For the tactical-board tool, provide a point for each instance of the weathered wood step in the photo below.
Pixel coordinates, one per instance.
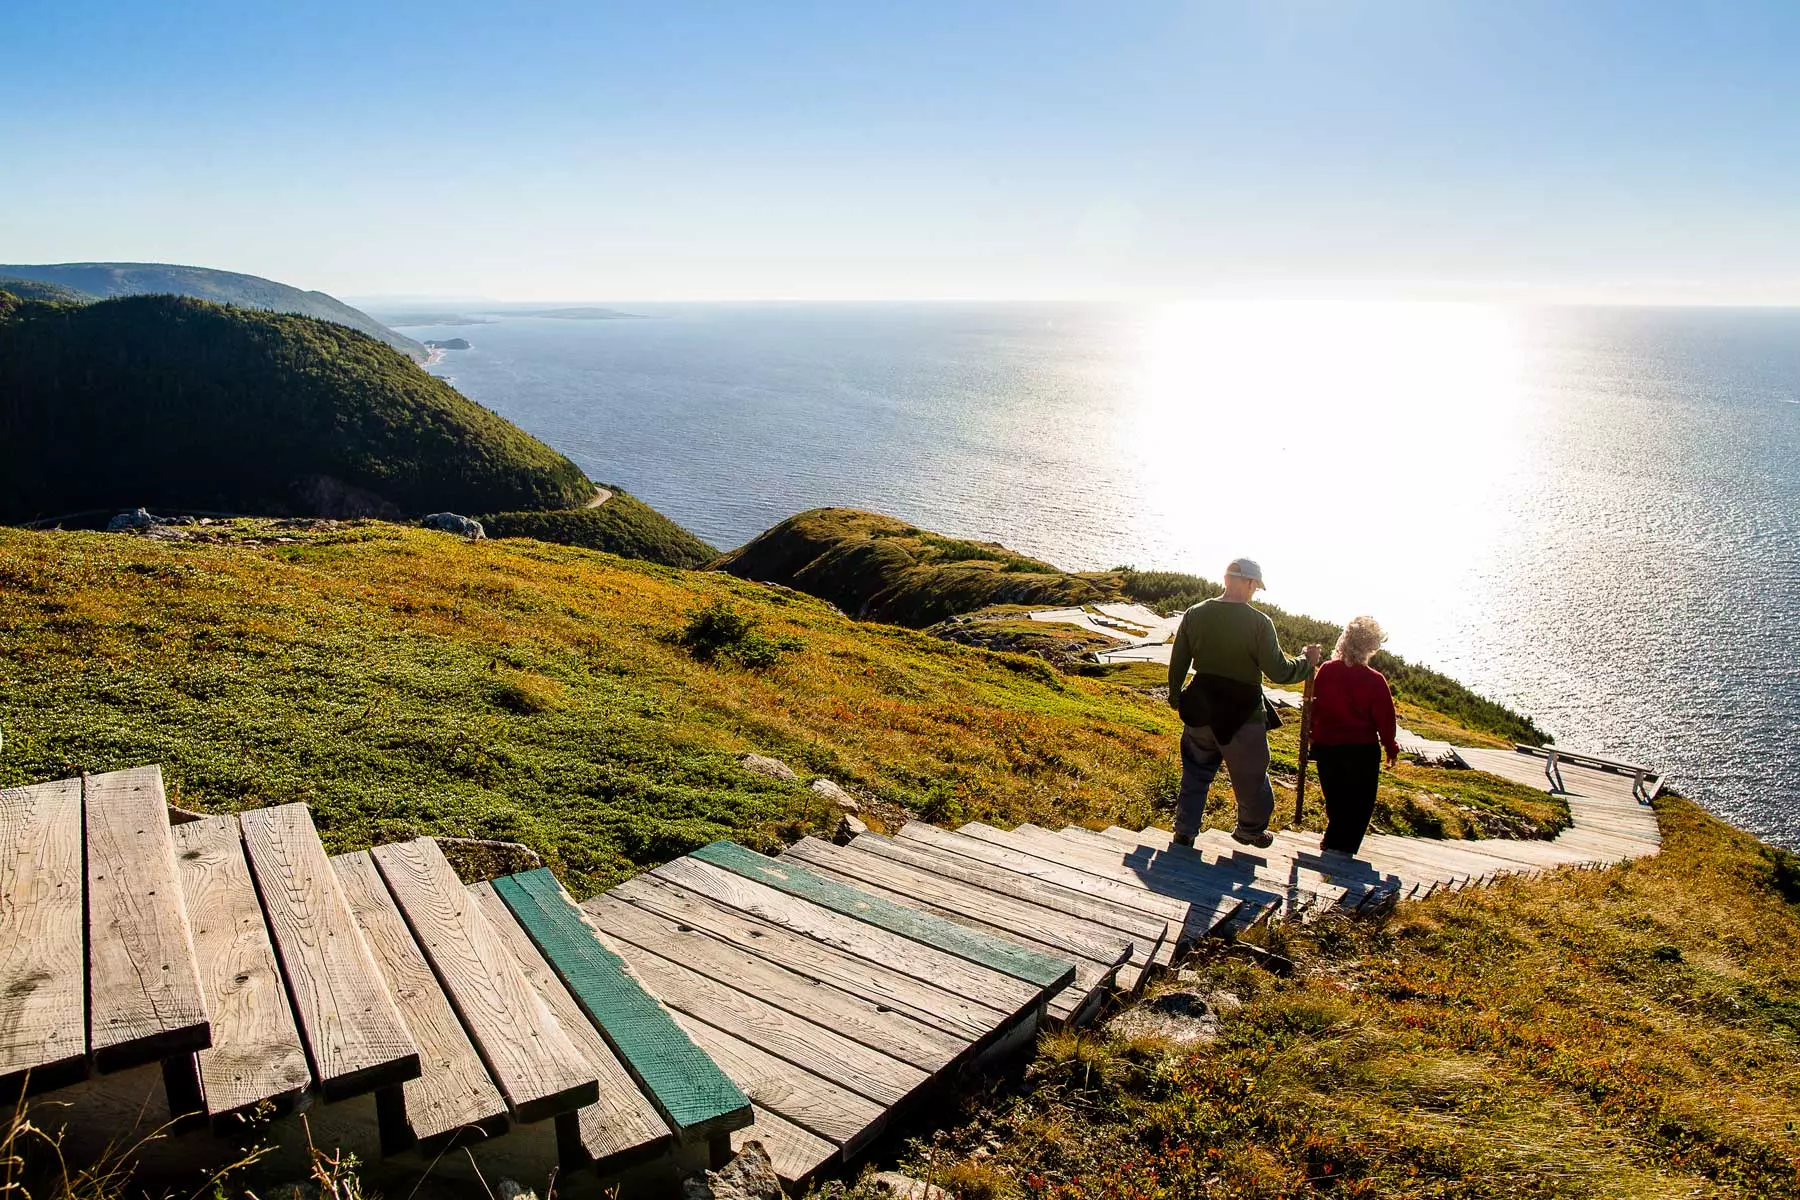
(1043, 970)
(531, 1059)
(43, 971)
(993, 989)
(1195, 921)
(143, 982)
(1177, 866)
(622, 1127)
(1207, 905)
(453, 1099)
(885, 985)
(1092, 976)
(697, 1100)
(1157, 935)
(256, 1055)
(355, 1040)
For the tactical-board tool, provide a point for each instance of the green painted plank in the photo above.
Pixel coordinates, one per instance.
(1006, 957)
(686, 1085)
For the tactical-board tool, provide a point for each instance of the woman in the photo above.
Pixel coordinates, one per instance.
(1352, 722)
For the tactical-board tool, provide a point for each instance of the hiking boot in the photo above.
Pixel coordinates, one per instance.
(1183, 839)
(1262, 839)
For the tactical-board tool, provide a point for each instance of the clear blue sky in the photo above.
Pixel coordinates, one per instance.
(1644, 150)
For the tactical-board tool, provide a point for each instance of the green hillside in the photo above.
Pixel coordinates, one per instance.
(882, 569)
(624, 525)
(103, 281)
(48, 293)
(172, 402)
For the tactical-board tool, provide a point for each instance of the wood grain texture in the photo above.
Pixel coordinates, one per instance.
(1155, 931)
(807, 1044)
(1090, 976)
(816, 1104)
(696, 1098)
(43, 966)
(805, 997)
(1194, 923)
(256, 1054)
(622, 1125)
(948, 1012)
(355, 1039)
(453, 1099)
(995, 989)
(1044, 970)
(143, 983)
(1052, 932)
(536, 1066)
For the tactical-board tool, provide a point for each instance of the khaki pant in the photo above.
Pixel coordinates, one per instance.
(1246, 759)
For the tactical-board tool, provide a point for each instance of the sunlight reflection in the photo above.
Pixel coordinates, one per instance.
(1339, 442)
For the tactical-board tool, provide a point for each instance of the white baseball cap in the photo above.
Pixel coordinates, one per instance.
(1245, 568)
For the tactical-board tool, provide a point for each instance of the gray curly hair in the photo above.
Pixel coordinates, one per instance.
(1361, 638)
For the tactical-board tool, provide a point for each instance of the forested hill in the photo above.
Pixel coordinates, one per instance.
(167, 401)
(103, 281)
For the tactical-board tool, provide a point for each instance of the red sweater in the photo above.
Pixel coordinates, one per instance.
(1352, 706)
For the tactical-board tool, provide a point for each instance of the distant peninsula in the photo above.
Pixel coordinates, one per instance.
(407, 319)
(448, 344)
(577, 314)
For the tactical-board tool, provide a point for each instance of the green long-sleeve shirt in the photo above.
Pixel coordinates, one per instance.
(1217, 637)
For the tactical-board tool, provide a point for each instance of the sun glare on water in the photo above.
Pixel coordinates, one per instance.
(1349, 446)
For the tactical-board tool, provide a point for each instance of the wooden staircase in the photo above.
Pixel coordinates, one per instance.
(225, 969)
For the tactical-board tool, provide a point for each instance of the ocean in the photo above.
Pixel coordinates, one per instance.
(1588, 514)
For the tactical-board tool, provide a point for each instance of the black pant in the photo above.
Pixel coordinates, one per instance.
(1348, 776)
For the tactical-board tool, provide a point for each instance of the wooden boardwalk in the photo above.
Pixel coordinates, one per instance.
(809, 1000)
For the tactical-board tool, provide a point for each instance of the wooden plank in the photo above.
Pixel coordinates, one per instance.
(622, 1125)
(950, 1013)
(1044, 970)
(453, 1099)
(1053, 932)
(143, 983)
(694, 1096)
(256, 1055)
(807, 1044)
(355, 1039)
(1277, 870)
(873, 1025)
(1090, 976)
(537, 1068)
(794, 1153)
(994, 989)
(1159, 933)
(1180, 869)
(818, 1105)
(43, 963)
(1195, 923)
(1201, 911)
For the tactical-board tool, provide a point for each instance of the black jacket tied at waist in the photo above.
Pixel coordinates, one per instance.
(1225, 704)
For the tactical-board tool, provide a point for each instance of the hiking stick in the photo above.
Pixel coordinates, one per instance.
(1306, 701)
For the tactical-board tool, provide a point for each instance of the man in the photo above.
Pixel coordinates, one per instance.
(1231, 646)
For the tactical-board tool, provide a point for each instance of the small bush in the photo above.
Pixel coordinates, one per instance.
(1784, 873)
(720, 631)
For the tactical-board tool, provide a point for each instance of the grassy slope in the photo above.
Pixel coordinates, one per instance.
(1633, 1032)
(886, 570)
(883, 569)
(624, 525)
(159, 400)
(407, 682)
